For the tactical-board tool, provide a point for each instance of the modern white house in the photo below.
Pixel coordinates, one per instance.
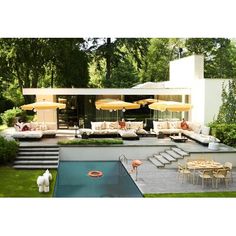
(186, 84)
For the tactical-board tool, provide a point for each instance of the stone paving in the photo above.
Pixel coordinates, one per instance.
(157, 180)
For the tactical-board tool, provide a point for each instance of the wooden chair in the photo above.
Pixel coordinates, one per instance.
(183, 172)
(219, 175)
(229, 167)
(206, 175)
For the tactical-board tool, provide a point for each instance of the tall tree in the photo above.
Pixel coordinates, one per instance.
(160, 53)
(219, 56)
(118, 50)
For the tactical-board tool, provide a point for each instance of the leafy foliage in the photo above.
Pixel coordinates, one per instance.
(227, 112)
(225, 132)
(90, 142)
(219, 56)
(9, 116)
(8, 150)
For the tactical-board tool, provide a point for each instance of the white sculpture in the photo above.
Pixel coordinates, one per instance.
(44, 181)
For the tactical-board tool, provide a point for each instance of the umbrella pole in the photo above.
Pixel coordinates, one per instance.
(117, 115)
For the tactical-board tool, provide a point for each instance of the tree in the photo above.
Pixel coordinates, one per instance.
(219, 56)
(109, 54)
(68, 63)
(227, 112)
(156, 62)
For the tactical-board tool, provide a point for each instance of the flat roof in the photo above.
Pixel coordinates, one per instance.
(106, 91)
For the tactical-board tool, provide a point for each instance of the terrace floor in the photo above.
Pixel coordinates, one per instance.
(156, 180)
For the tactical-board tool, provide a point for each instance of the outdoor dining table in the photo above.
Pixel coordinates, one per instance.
(202, 165)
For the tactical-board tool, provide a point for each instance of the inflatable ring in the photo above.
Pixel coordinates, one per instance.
(95, 173)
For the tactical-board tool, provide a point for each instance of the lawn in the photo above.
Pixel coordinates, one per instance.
(22, 183)
(202, 195)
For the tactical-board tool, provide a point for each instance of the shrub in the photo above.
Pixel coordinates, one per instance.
(8, 150)
(1, 121)
(9, 116)
(5, 104)
(90, 142)
(225, 132)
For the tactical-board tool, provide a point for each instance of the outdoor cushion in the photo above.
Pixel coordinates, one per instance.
(205, 130)
(127, 133)
(28, 134)
(112, 125)
(97, 125)
(174, 124)
(160, 125)
(87, 131)
(141, 131)
(134, 125)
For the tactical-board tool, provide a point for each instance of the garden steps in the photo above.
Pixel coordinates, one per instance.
(156, 162)
(37, 157)
(180, 152)
(167, 157)
(35, 166)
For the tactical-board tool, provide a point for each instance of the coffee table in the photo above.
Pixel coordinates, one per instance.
(178, 139)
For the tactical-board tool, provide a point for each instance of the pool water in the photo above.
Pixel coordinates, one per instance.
(73, 180)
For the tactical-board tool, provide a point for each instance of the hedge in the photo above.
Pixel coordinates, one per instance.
(90, 142)
(8, 150)
(225, 132)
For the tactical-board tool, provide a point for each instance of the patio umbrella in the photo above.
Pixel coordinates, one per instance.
(170, 106)
(43, 105)
(143, 102)
(117, 105)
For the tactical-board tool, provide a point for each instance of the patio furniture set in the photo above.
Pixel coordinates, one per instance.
(207, 171)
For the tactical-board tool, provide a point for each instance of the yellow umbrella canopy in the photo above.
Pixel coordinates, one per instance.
(44, 105)
(170, 106)
(143, 102)
(117, 105)
(105, 100)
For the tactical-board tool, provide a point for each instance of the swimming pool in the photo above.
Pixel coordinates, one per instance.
(73, 180)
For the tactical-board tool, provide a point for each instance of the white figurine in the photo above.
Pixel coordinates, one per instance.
(44, 181)
(40, 183)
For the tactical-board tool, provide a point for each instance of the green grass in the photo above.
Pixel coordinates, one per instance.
(22, 183)
(91, 142)
(2, 127)
(197, 195)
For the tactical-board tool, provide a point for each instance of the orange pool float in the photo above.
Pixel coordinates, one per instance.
(95, 173)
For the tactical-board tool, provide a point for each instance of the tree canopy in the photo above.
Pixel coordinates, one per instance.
(103, 62)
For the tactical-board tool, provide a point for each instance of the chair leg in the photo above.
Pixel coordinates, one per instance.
(202, 183)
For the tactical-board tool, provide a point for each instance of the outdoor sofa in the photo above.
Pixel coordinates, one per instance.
(35, 131)
(197, 132)
(112, 129)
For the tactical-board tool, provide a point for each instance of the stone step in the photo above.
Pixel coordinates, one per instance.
(161, 159)
(156, 162)
(41, 149)
(167, 156)
(37, 158)
(30, 162)
(38, 153)
(174, 154)
(35, 166)
(180, 151)
(29, 145)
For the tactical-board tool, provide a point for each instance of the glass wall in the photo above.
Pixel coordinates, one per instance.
(81, 110)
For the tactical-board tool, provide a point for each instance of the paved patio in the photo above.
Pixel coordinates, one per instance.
(157, 180)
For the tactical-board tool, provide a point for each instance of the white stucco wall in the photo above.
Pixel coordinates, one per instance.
(183, 71)
(213, 91)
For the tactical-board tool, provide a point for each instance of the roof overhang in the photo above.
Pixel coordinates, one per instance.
(106, 91)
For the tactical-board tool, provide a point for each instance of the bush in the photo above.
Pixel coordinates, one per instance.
(9, 116)
(225, 132)
(91, 142)
(8, 150)
(5, 104)
(1, 121)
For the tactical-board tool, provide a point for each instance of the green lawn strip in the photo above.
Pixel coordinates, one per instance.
(22, 183)
(197, 195)
(90, 142)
